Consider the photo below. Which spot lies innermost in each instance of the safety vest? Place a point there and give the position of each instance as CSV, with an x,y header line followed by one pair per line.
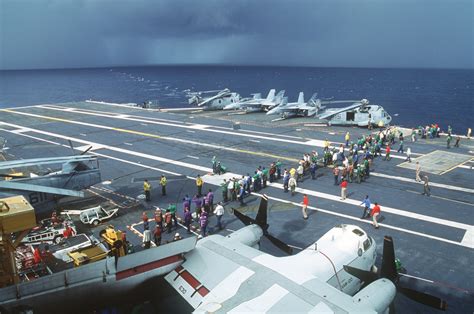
x,y
198,181
163,181
146,186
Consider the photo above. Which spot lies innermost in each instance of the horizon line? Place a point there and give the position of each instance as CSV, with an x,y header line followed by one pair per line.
x,y
229,65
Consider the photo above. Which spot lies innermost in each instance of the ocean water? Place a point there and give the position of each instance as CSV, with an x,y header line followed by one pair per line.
x,y
412,96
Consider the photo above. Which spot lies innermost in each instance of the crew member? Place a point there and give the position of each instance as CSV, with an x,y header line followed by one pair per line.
x,y
366,203
199,184
145,220
168,219
418,171
203,223
146,238
426,186
219,212
187,219
172,210
147,189
157,235
343,189
387,153
374,213
163,184
304,206
159,218
37,256
68,232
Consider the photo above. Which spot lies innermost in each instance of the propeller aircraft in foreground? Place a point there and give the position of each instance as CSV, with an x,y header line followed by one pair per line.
x,y
336,274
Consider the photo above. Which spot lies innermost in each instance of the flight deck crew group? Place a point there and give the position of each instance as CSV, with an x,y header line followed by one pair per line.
x,y
348,165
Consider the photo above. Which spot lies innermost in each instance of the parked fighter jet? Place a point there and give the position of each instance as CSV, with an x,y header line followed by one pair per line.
x,y
359,113
230,274
257,103
42,191
218,101
299,108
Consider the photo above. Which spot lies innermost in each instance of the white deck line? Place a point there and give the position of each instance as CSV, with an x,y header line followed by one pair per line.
x,y
439,185
369,222
465,242
197,127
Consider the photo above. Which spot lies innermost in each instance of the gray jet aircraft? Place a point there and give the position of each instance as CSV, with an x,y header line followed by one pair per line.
x,y
257,103
299,108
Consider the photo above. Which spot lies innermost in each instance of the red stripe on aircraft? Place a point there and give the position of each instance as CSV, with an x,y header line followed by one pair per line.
x,y
147,267
203,291
193,282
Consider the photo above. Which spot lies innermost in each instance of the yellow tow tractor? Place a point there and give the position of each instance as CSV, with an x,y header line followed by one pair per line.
x,y
114,246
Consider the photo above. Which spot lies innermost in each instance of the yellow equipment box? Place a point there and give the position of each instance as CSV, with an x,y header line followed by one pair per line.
x,y
16,214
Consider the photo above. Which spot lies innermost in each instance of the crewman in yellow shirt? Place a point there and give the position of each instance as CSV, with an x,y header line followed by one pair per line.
x,y
147,189
163,184
199,184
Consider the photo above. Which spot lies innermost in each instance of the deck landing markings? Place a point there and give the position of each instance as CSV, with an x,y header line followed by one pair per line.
x,y
438,162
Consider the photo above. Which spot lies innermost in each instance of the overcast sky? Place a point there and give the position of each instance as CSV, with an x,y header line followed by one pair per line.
x,y
347,33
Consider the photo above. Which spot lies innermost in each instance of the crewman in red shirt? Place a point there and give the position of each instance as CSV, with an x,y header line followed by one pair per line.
x,y
374,213
68,232
37,256
343,189
305,206
387,153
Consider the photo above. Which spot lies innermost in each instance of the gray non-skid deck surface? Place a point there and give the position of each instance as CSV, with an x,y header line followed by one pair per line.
x,y
134,144
438,162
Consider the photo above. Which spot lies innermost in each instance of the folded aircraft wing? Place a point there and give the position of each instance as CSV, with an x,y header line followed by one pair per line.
x,y
223,93
11,185
299,107
333,113
44,161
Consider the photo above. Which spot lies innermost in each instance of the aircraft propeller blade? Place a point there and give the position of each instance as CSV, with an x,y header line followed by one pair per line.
x,y
366,276
389,269
280,244
246,220
261,218
423,298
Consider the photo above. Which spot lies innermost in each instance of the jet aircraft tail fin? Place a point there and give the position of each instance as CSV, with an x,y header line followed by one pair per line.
x,y
301,98
271,95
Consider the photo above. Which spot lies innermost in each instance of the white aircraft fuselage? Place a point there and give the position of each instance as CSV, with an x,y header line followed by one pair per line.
x,y
218,271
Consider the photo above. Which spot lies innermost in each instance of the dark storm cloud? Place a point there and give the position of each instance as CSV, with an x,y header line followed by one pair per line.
x,y
75,33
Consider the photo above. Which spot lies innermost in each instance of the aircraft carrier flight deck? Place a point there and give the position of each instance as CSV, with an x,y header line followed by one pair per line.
x,y
433,236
